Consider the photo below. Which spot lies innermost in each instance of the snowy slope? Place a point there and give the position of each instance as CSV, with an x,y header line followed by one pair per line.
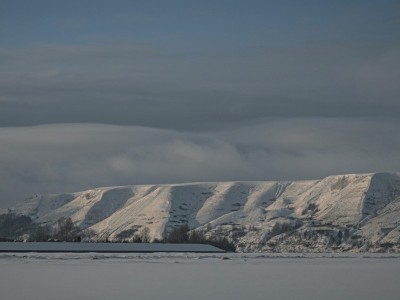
x,y
354,212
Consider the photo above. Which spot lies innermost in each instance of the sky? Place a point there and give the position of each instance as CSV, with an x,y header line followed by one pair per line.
x,y
101,93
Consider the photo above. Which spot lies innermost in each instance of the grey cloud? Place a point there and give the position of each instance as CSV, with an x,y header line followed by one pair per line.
x,y
71,157
382,73
147,85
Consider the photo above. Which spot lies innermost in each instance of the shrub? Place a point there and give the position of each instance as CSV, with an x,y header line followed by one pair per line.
x,y
182,234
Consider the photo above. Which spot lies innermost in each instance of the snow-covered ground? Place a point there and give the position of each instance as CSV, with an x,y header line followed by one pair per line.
x,y
199,276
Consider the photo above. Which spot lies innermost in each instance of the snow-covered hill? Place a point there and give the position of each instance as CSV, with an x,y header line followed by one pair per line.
x,y
353,212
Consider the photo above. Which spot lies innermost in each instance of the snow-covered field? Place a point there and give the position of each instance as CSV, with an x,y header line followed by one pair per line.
x,y
199,276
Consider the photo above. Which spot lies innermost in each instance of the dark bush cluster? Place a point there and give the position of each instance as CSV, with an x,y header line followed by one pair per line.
x,y
183,235
67,231
13,225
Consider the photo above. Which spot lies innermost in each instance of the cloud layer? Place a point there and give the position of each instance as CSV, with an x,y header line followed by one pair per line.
x,y
143,85
72,157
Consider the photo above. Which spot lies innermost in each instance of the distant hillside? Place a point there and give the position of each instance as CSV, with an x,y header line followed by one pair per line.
x,y
354,212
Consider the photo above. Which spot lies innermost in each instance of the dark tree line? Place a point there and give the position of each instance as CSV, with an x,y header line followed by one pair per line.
x,y
183,235
65,231
13,225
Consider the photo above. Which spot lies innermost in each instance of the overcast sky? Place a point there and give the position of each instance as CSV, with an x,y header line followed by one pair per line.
x,y
99,93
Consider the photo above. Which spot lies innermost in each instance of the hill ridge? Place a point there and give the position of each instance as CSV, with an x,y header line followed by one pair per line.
x,y
350,212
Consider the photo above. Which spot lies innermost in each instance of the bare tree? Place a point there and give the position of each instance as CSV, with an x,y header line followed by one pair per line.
x,y
42,234
145,235
179,234
66,230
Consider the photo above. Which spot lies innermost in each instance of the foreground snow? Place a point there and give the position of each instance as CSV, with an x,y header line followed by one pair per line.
x,y
199,276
